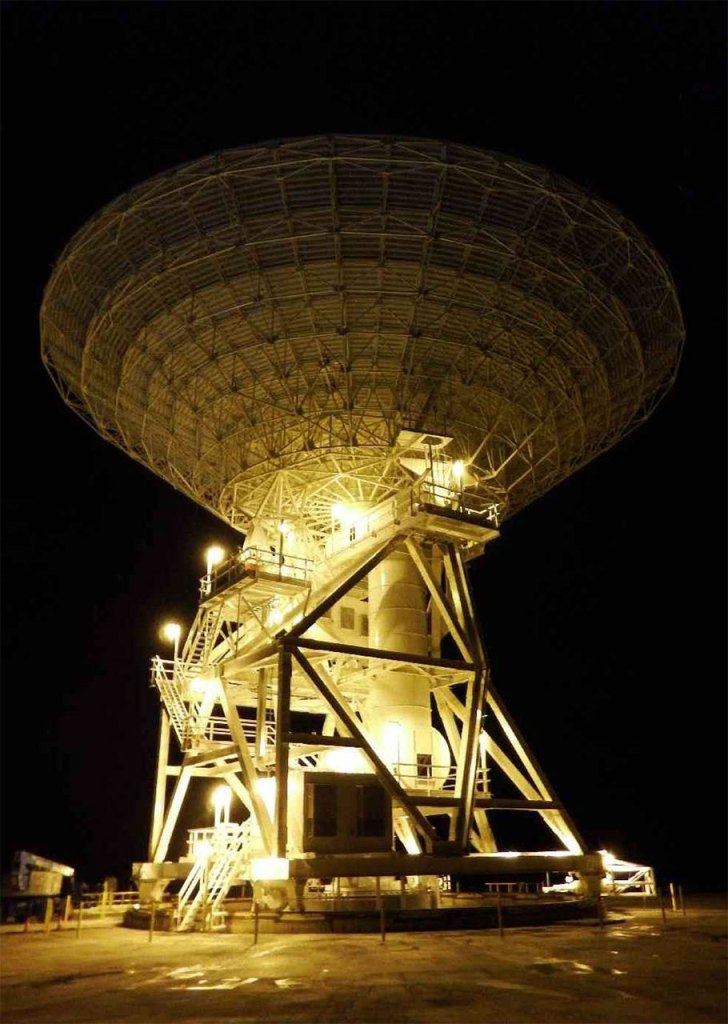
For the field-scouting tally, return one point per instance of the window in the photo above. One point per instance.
(322, 820)
(347, 618)
(424, 766)
(371, 811)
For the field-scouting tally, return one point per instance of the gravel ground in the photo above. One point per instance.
(640, 970)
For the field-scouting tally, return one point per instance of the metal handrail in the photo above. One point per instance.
(407, 502)
(250, 561)
(440, 777)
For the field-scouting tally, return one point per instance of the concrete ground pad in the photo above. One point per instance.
(641, 970)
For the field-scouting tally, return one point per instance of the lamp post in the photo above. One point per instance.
(213, 556)
(221, 802)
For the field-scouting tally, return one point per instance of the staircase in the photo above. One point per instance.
(169, 690)
(199, 905)
(201, 637)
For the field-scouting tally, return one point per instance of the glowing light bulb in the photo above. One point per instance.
(458, 469)
(171, 631)
(201, 687)
(221, 797)
(221, 802)
(214, 555)
(202, 850)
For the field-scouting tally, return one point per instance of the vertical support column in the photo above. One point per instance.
(261, 734)
(436, 623)
(475, 703)
(471, 730)
(160, 785)
(283, 730)
(175, 805)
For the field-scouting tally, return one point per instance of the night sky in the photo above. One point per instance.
(603, 604)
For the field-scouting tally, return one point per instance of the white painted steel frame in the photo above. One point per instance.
(463, 723)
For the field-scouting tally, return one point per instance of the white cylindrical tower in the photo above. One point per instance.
(398, 707)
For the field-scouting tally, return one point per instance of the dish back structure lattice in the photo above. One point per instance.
(279, 313)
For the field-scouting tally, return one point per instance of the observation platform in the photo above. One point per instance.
(284, 573)
(438, 512)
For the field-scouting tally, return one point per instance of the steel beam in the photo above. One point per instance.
(247, 768)
(531, 764)
(449, 725)
(443, 605)
(378, 865)
(160, 786)
(314, 739)
(175, 804)
(283, 728)
(468, 763)
(240, 791)
(343, 588)
(261, 737)
(552, 818)
(213, 754)
(355, 651)
(339, 705)
(483, 829)
(488, 803)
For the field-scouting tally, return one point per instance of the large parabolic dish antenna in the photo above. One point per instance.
(262, 327)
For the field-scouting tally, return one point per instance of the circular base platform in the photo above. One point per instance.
(459, 916)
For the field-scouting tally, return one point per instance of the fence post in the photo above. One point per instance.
(672, 896)
(380, 905)
(255, 922)
(48, 915)
(67, 909)
(152, 916)
(78, 920)
(499, 911)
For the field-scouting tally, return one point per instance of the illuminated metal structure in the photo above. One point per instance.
(364, 353)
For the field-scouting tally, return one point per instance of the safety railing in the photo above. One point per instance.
(216, 729)
(433, 778)
(462, 501)
(213, 841)
(352, 527)
(513, 888)
(251, 562)
(100, 903)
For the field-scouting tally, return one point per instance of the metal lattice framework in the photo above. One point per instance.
(259, 325)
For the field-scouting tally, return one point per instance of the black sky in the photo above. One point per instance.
(603, 604)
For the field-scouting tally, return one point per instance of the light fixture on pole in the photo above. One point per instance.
(214, 555)
(221, 802)
(172, 631)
